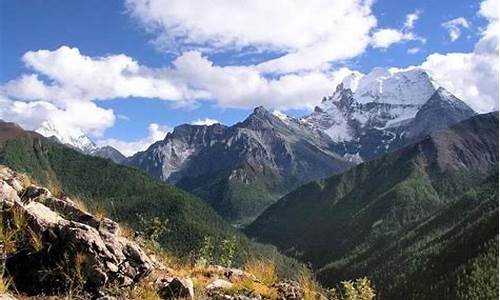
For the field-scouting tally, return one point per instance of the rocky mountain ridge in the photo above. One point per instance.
(264, 153)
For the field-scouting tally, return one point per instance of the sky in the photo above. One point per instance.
(126, 72)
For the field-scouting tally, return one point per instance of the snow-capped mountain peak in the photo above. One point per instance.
(412, 86)
(73, 137)
(368, 114)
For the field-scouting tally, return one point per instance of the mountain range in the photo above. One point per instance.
(416, 220)
(127, 195)
(391, 177)
(242, 169)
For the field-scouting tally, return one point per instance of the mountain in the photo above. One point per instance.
(77, 139)
(421, 222)
(124, 194)
(72, 137)
(109, 152)
(242, 169)
(369, 115)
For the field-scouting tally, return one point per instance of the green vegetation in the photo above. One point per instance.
(218, 252)
(240, 194)
(131, 197)
(360, 289)
(422, 222)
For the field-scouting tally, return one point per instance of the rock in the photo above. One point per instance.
(34, 191)
(14, 183)
(231, 274)
(219, 284)
(70, 243)
(175, 287)
(8, 195)
(240, 295)
(289, 290)
(109, 226)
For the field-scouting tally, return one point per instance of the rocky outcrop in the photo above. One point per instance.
(175, 287)
(58, 246)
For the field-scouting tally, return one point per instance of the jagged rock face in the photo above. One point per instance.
(269, 152)
(66, 246)
(441, 110)
(377, 113)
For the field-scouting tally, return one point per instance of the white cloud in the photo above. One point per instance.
(82, 115)
(455, 27)
(411, 19)
(156, 132)
(413, 50)
(472, 76)
(206, 121)
(65, 82)
(76, 76)
(244, 86)
(309, 33)
(383, 38)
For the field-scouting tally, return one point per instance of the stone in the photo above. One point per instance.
(14, 183)
(289, 290)
(72, 244)
(175, 287)
(219, 284)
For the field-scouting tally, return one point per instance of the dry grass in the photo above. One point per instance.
(263, 270)
(263, 290)
(94, 209)
(35, 240)
(144, 290)
(311, 287)
(5, 284)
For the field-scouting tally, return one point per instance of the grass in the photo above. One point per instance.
(264, 270)
(311, 287)
(144, 290)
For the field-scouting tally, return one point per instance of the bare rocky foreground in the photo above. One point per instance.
(52, 247)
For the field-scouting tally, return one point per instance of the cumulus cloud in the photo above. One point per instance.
(76, 76)
(308, 33)
(156, 132)
(455, 26)
(244, 86)
(64, 82)
(472, 76)
(206, 121)
(86, 116)
(383, 38)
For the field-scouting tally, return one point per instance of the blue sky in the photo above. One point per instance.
(100, 29)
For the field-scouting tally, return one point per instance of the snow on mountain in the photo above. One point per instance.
(413, 86)
(370, 114)
(383, 98)
(77, 139)
(73, 137)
